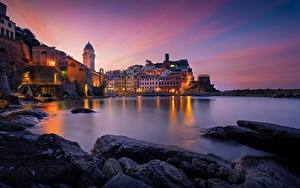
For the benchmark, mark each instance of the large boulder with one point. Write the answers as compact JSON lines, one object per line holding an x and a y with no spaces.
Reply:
{"x":111,"y":168}
{"x":121,"y":180}
{"x":11,"y":127}
{"x":127,"y":163}
{"x":160,"y":174}
{"x":258,"y":172}
{"x":37,"y":113}
{"x":163,"y":166}
{"x":27,"y":159}
{"x":117,"y":146}
{"x":111,"y":146}
{"x":265,"y":136}
{"x":26,"y":118}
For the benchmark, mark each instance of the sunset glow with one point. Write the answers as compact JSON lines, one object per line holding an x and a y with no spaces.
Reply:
{"x":240,"y":44}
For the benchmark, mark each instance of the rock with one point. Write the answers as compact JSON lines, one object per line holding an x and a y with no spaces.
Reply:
{"x":11,"y":127}
{"x":2,"y":185}
{"x":160,"y":174}
{"x":213,"y":183}
{"x":3,"y":103}
{"x":111,"y":168}
{"x":120,"y":181}
{"x":11,"y":98}
{"x":264,"y":172}
{"x":38,"y":113}
{"x":25,"y":118}
{"x":82,"y":110}
{"x":127,"y":163}
{"x":48,"y":159}
{"x":265,"y":136}
{"x":110,"y":146}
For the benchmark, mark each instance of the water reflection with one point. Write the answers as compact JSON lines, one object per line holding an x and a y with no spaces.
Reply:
{"x":55,"y":122}
{"x":189,"y":115}
{"x":165,"y":120}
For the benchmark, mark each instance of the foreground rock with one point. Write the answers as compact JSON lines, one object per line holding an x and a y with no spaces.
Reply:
{"x":111,"y":168}
{"x":20,"y":119}
{"x":265,"y":136}
{"x":27,"y":159}
{"x":160,"y":174}
{"x":169,"y":166}
{"x":82,"y":110}
{"x":121,"y":180}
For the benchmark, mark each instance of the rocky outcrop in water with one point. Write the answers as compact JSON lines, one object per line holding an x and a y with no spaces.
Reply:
{"x":20,"y":119}
{"x":82,"y":110}
{"x":264,"y":136}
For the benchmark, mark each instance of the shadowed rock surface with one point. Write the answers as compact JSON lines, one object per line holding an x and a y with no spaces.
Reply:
{"x":18,"y":119}
{"x":265,"y":136}
{"x":82,"y":110}
{"x":169,"y":166}
{"x":127,"y":163}
{"x":111,"y":168}
{"x":27,"y":159}
{"x":160,"y":174}
{"x":122,"y":180}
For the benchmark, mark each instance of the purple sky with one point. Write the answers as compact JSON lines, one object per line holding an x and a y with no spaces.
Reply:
{"x":241,"y":44}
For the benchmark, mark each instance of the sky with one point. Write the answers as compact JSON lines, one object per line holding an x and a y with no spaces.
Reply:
{"x":239,"y":43}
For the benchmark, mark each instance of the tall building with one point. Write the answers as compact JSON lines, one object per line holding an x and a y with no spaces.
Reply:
{"x":7,"y":27}
{"x":89,"y":56}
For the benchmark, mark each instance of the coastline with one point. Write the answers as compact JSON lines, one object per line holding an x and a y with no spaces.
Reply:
{"x":117,"y":160}
{"x":271,"y":93}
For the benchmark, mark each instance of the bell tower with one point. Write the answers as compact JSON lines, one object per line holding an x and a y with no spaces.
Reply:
{"x":89,"y":56}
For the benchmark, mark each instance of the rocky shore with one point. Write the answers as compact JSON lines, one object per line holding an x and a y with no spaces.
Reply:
{"x":48,"y":160}
{"x":29,"y":160}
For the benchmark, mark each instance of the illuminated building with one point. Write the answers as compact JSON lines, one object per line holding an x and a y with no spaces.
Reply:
{"x":89,"y":56}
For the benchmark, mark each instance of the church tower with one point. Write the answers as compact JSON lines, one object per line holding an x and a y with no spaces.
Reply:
{"x":89,"y":56}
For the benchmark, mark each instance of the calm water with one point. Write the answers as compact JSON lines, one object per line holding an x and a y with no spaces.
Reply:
{"x":167,"y":120}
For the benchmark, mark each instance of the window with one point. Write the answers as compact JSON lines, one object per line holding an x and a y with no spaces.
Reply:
{"x":9,"y":24}
{"x":11,"y":35}
{"x":2,"y":21}
{"x":7,"y":33}
{"x":2,"y":31}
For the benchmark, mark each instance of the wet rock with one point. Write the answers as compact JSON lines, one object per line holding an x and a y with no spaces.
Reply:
{"x":160,"y":174}
{"x":11,"y":127}
{"x":109,"y":146}
{"x":38,"y":113}
{"x":264,"y":172}
{"x":111,"y":168}
{"x":82,"y":110}
{"x":127,"y":163}
{"x":116,"y":146}
{"x":120,"y":181}
{"x":265,"y":136}
{"x":48,"y":159}
{"x":25,"y":118}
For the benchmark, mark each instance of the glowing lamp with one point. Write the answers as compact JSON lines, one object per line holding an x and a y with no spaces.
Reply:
{"x":52,"y":63}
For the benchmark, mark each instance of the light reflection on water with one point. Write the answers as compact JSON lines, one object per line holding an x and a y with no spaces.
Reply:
{"x":166,"y":120}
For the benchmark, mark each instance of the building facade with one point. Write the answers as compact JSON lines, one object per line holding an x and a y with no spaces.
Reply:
{"x":7,"y":27}
{"x":171,"y":77}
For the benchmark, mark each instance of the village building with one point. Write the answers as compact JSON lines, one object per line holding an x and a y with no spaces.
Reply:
{"x":7,"y":27}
